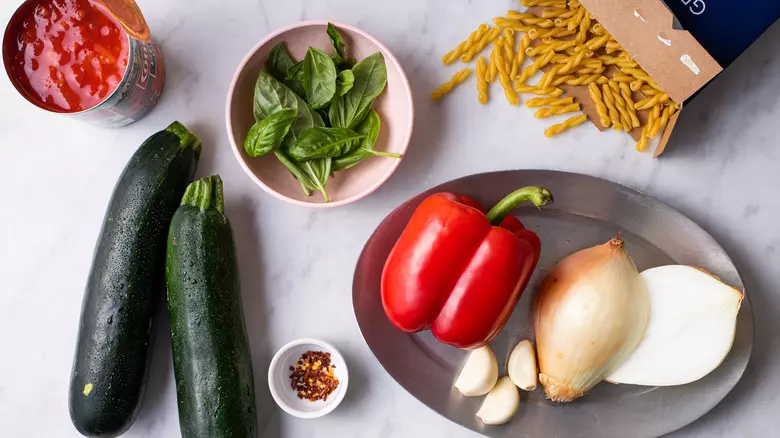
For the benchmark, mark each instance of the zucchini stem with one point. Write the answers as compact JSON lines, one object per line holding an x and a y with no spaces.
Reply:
{"x":186,"y":138}
{"x":205,"y":193}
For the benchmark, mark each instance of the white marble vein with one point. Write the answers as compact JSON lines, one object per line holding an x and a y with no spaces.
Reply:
{"x":57,"y":175}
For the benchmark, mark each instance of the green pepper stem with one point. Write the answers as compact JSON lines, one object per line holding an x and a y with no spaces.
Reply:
{"x":539,"y":196}
{"x":205,"y":193}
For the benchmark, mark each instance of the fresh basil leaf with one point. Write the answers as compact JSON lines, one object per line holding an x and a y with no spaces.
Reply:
{"x":266,"y":135}
{"x":303,"y":178}
{"x":279,"y":63}
{"x":344,"y":82}
{"x":351,"y":159}
{"x":349,"y":110}
{"x":319,"y":172}
{"x":323,"y":112}
{"x":325,"y":143}
{"x":272,"y":96}
{"x":338,"y":45}
{"x":370,"y":128}
{"x":361,"y":116}
{"x":295,"y":73}
{"x":346,"y":64}
{"x":319,"y":78}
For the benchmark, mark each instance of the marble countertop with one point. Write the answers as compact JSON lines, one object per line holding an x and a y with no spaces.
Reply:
{"x":721,"y":169}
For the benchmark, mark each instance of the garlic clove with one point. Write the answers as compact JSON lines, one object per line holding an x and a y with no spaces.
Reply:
{"x":501,"y":403}
{"x":693,"y":317}
{"x":522,"y":366}
{"x":479,"y":373}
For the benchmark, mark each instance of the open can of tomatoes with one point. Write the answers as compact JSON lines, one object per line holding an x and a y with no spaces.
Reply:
{"x":75,"y":57}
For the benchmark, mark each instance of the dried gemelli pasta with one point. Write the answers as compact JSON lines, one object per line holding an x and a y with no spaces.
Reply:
{"x":557,"y":110}
{"x":601,"y":108}
{"x":566,"y":47}
{"x":538,"y":33}
{"x":552,"y":91}
{"x":584,"y":80}
{"x":641,"y":145}
{"x":598,"y":29}
{"x":504,"y":22}
{"x":652,"y":101}
{"x":509,"y":48}
{"x":568,"y":124}
{"x":486,"y":39}
{"x":448,"y":86}
{"x":638,"y":84}
{"x":540,"y":62}
{"x":609,"y":101}
{"x":620,"y":104}
{"x":553,"y":3}
{"x":575,"y":21}
{"x":548,"y":101}
{"x":584,"y":27}
{"x":517,"y":62}
{"x":482,"y":84}
{"x":662,"y":121}
{"x":561,"y":12}
{"x":647,"y":90}
{"x":530,"y":19}
{"x":503,"y":73}
{"x":493,"y":68}
{"x":475,"y":36}
{"x":625,"y":92}
{"x":612,"y":46}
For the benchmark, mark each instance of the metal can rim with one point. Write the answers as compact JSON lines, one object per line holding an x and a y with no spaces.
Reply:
{"x":17,"y":15}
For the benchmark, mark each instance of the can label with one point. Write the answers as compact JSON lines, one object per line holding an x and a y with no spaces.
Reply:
{"x":138,"y":92}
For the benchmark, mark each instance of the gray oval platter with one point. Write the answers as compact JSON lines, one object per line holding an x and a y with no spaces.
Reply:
{"x":587,"y":211}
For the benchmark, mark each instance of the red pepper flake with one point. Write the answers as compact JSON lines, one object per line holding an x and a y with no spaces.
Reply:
{"x":312,"y":376}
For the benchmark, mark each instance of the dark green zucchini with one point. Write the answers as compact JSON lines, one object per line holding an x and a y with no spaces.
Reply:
{"x":127,"y":282}
{"x":211,"y":358}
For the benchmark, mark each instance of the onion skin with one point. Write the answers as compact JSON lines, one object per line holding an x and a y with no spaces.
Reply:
{"x":591,"y":313}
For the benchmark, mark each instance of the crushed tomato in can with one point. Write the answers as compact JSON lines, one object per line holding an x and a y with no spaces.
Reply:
{"x":73,"y":57}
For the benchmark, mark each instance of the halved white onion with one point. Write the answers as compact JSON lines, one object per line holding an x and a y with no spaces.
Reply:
{"x":693,"y":317}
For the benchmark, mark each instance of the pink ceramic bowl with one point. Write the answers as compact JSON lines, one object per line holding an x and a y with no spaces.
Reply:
{"x":394,"y":106}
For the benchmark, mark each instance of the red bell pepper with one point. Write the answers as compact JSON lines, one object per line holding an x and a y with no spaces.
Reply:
{"x":459,"y":271}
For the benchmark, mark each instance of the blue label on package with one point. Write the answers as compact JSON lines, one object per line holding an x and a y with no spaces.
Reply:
{"x":725,"y":28}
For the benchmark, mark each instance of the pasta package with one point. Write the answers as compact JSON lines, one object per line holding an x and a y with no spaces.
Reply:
{"x":622,"y":65}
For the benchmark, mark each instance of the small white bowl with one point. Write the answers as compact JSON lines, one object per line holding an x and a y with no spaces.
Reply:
{"x":279,"y":379}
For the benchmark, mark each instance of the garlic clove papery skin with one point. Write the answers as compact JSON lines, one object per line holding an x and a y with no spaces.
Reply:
{"x":591,"y":313}
{"x":693,"y":319}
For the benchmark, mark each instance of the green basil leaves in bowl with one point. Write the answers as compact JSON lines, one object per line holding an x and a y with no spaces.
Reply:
{"x":319,"y":114}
